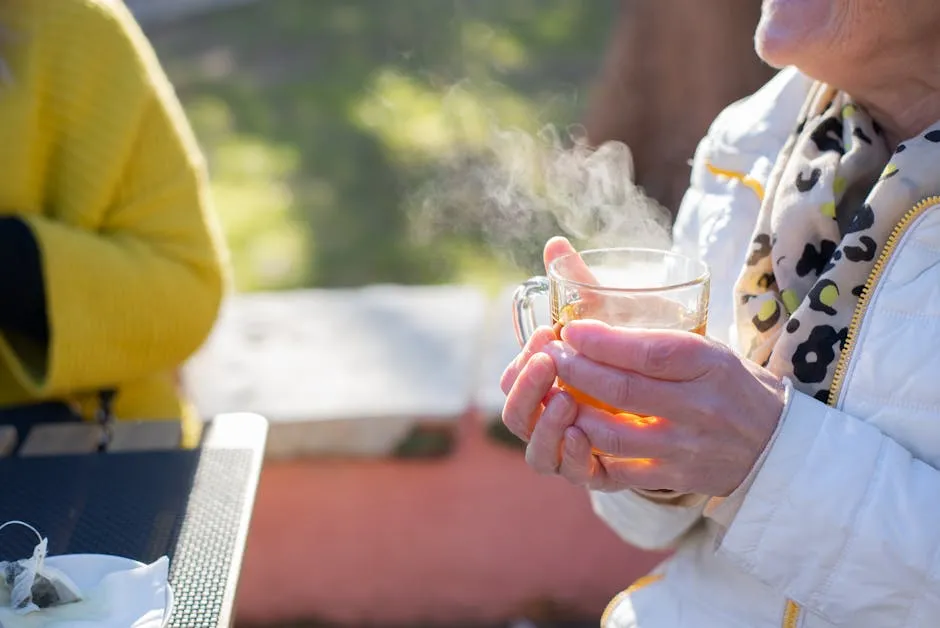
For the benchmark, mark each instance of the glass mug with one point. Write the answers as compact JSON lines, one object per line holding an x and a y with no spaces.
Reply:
{"x":623,"y":287}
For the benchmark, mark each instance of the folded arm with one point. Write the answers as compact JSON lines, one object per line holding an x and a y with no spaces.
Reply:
{"x":128,"y":253}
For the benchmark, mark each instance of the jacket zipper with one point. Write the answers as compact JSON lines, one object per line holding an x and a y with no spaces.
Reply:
{"x":793,"y":610}
{"x":894,"y":239}
{"x":791,"y":615}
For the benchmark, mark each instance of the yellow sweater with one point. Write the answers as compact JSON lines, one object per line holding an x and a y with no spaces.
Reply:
{"x":97,"y":157}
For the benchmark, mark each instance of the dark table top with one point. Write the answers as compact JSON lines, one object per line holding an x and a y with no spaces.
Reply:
{"x":193,"y":506}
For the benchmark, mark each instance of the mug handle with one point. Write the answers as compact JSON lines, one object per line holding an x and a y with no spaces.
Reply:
{"x":523,"y":314}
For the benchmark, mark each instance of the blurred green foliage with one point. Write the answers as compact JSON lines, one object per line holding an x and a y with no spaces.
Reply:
{"x":321,"y":117}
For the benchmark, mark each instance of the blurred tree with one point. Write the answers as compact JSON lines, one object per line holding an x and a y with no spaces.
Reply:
{"x":670,"y":68}
{"x":321,"y":119}
{"x":346,"y":106}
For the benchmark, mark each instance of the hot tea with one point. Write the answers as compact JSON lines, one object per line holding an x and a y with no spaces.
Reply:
{"x":640,"y":311}
{"x":641,"y":288}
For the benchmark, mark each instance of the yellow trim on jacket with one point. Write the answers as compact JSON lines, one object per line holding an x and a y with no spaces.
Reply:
{"x":749,"y":182}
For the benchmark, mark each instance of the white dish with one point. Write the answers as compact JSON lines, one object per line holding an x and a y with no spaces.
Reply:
{"x":88,"y":570}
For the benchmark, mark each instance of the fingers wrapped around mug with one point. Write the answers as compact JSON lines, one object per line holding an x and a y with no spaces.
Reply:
{"x":528,"y":394}
{"x":556,"y":446}
{"x":541,"y":337}
{"x":701,"y":414}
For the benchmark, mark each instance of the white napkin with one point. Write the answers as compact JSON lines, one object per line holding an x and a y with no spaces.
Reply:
{"x":132,"y":598}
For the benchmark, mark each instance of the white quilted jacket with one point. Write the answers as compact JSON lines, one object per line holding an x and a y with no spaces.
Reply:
{"x":841,"y":526}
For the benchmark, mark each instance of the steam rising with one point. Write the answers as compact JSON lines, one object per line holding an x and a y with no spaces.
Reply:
{"x":521,"y":189}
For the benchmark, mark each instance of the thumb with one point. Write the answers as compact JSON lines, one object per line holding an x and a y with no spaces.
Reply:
{"x":576,"y":269}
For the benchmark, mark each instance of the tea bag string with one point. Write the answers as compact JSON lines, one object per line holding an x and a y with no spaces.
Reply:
{"x":25,"y":525}
{"x":39,"y":552}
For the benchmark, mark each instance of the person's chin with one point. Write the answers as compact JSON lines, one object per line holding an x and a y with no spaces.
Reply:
{"x":776,"y":49}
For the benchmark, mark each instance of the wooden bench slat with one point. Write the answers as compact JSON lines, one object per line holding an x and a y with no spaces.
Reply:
{"x":146,"y":436}
{"x":53,"y":439}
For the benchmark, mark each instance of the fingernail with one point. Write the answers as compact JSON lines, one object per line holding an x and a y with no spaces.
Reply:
{"x":562,"y":403}
{"x":557,"y":350}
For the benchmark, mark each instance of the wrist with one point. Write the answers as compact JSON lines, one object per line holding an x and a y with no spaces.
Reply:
{"x":723,"y":509}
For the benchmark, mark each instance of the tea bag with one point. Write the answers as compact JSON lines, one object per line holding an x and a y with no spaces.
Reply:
{"x":32,"y":584}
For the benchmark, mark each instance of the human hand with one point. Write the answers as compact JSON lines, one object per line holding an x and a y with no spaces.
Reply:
{"x":556,"y":247}
{"x":536,"y":411}
{"x":720,"y":409}
{"x":542,"y":415}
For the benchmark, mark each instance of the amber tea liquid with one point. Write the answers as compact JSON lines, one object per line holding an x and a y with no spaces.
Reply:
{"x":654,"y":312}
{"x":623,"y":287}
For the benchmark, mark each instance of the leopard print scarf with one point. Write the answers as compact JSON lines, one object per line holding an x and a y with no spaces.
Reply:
{"x":832,"y":201}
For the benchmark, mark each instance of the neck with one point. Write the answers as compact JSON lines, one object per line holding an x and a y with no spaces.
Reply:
{"x":905,"y":103}
{"x":902,"y":113}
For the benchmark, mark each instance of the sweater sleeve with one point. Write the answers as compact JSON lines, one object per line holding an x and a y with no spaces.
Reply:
{"x":129,"y":252}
